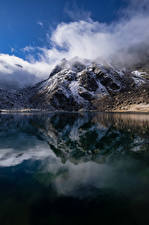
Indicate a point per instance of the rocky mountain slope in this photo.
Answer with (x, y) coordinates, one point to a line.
(74, 86)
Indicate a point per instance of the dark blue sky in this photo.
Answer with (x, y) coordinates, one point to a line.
(19, 19)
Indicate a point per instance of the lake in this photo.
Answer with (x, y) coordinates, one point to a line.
(74, 168)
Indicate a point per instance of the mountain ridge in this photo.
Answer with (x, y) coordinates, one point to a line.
(75, 85)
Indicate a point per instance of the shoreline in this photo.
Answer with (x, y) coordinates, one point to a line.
(134, 108)
(140, 108)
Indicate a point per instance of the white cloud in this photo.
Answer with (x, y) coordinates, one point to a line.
(17, 73)
(91, 40)
(12, 50)
(28, 49)
(40, 23)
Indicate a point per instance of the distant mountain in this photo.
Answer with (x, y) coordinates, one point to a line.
(74, 86)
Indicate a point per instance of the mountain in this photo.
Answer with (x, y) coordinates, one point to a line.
(74, 85)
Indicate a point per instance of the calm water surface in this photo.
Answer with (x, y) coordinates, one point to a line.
(81, 169)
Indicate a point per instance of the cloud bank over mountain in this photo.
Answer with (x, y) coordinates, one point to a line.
(125, 41)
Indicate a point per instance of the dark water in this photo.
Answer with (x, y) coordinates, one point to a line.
(64, 168)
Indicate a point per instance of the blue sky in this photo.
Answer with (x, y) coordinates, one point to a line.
(27, 22)
(51, 30)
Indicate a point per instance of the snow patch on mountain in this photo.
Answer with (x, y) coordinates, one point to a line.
(74, 86)
(138, 77)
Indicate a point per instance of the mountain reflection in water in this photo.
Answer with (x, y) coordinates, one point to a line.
(74, 168)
